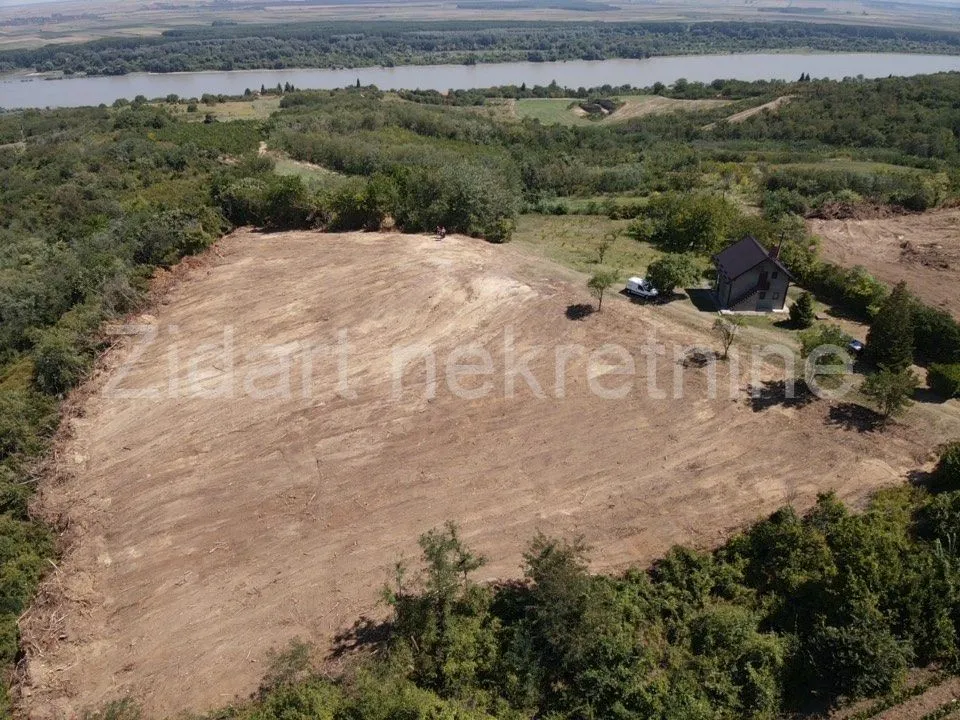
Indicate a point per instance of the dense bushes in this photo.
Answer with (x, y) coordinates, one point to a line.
(58, 365)
(905, 117)
(423, 167)
(686, 223)
(800, 189)
(793, 615)
(936, 334)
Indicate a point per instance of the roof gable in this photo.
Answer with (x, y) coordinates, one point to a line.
(743, 256)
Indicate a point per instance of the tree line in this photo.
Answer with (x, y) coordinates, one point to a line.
(354, 44)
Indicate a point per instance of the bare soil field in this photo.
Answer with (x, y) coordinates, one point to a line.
(253, 473)
(921, 249)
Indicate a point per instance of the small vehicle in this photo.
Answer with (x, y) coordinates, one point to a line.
(638, 287)
(855, 346)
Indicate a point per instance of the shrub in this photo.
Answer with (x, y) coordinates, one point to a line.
(936, 335)
(162, 238)
(58, 365)
(25, 418)
(944, 380)
(243, 201)
(946, 475)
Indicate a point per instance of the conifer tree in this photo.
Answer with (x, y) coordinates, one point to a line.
(890, 340)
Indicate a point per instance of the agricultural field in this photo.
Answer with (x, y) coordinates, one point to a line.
(213, 522)
(80, 22)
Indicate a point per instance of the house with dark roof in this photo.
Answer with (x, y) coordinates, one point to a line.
(749, 278)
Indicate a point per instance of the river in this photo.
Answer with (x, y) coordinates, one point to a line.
(20, 92)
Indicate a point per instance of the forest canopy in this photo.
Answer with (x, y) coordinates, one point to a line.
(355, 44)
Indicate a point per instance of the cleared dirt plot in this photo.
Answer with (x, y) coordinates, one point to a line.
(253, 473)
(922, 249)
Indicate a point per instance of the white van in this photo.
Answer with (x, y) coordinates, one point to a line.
(638, 287)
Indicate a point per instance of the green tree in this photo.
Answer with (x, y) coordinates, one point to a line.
(598, 284)
(801, 312)
(890, 340)
(671, 271)
(727, 329)
(890, 390)
(832, 358)
(682, 223)
(443, 621)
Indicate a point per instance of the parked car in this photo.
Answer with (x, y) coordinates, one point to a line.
(638, 287)
(855, 346)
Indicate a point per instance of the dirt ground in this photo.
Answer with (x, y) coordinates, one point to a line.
(210, 516)
(750, 112)
(655, 105)
(922, 249)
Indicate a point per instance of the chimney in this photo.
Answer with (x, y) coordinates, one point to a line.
(775, 253)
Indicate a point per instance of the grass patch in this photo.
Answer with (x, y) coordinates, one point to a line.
(259, 108)
(574, 241)
(550, 111)
(313, 176)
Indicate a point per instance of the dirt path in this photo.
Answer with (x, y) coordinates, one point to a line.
(921, 249)
(656, 105)
(205, 530)
(749, 113)
(919, 707)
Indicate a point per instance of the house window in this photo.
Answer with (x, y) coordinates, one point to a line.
(776, 274)
(763, 296)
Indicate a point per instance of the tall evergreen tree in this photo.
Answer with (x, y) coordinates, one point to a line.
(890, 340)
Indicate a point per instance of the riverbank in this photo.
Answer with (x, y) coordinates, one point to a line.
(85, 91)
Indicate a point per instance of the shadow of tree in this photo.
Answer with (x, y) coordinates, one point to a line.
(366, 634)
(702, 299)
(579, 311)
(850, 416)
(920, 478)
(778, 392)
(926, 395)
(699, 357)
